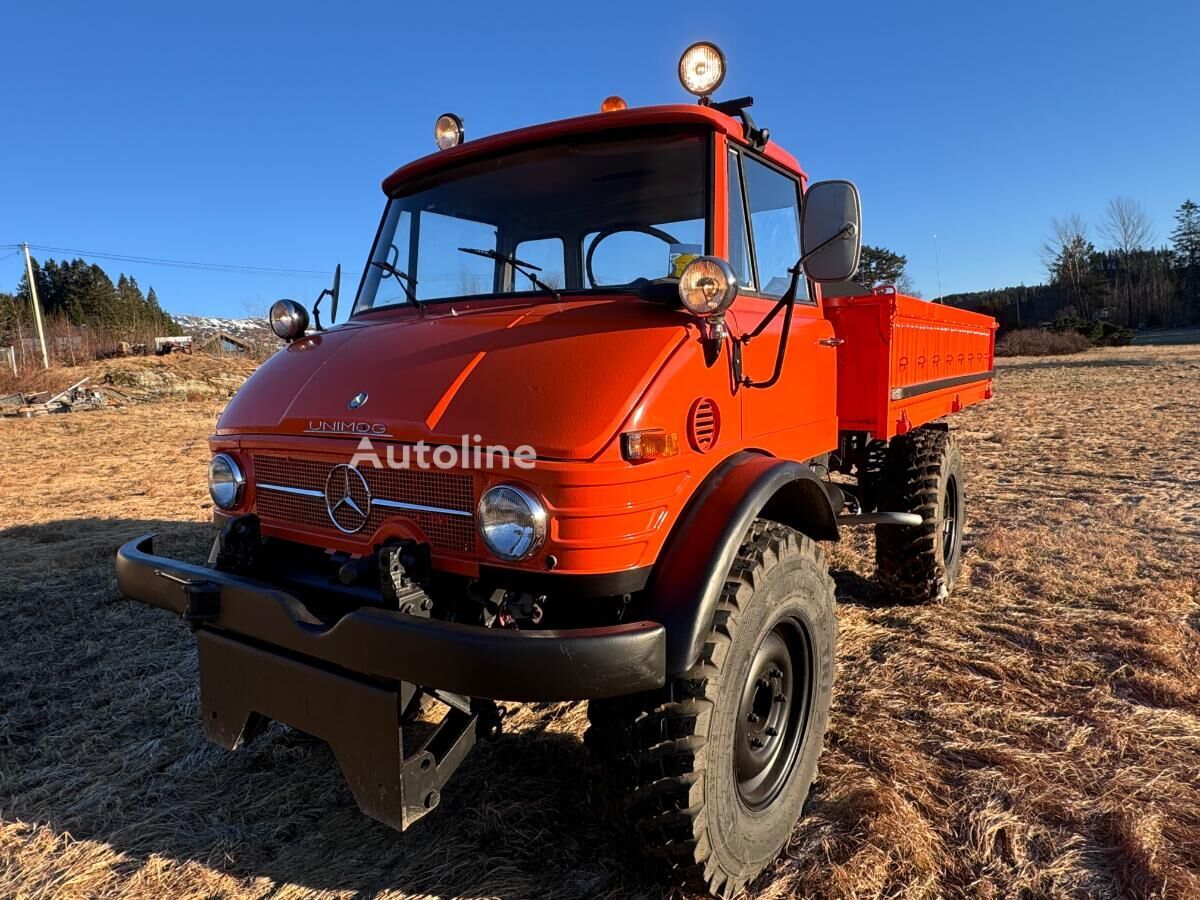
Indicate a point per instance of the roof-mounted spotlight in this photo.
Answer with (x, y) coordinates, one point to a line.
(448, 131)
(702, 69)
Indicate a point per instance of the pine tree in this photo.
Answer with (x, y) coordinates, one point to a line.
(83, 294)
(1077, 271)
(132, 310)
(1186, 237)
(1185, 240)
(161, 320)
(878, 265)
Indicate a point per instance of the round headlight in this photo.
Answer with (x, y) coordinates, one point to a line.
(225, 481)
(702, 68)
(512, 521)
(448, 131)
(707, 286)
(289, 320)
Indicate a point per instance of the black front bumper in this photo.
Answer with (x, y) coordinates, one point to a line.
(574, 664)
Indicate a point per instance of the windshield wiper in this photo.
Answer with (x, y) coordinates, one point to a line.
(517, 264)
(407, 282)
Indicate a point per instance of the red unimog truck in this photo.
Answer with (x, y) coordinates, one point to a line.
(575, 442)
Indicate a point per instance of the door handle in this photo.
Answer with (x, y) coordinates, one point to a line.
(831, 342)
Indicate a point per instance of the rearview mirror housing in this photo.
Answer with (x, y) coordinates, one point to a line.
(830, 206)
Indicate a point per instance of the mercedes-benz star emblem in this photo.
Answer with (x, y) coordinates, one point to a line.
(358, 400)
(347, 498)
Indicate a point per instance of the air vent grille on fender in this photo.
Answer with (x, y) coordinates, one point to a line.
(704, 424)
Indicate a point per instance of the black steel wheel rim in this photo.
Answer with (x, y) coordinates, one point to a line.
(773, 713)
(949, 520)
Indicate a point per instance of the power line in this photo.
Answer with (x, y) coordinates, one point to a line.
(187, 264)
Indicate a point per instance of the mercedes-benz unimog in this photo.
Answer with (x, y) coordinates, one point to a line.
(605, 389)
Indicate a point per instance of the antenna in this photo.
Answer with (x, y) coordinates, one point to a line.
(937, 262)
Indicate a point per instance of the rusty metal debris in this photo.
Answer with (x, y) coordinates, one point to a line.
(77, 398)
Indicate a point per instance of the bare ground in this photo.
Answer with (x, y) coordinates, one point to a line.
(1037, 735)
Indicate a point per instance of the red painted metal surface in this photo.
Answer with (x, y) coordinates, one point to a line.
(905, 362)
(568, 378)
(680, 114)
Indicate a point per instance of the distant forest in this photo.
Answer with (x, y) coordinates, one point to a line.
(1127, 281)
(78, 293)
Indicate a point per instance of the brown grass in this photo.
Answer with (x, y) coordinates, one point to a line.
(1041, 342)
(137, 379)
(1038, 734)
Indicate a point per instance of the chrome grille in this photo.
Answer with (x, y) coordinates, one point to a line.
(451, 491)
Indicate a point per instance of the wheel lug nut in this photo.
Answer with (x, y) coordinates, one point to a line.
(775, 673)
(751, 717)
(780, 698)
(771, 732)
(756, 743)
(763, 683)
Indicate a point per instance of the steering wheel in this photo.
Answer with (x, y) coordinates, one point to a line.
(609, 232)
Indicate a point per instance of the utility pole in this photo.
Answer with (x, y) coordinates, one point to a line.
(938, 263)
(37, 307)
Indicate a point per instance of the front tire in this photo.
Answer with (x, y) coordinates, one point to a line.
(922, 473)
(708, 775)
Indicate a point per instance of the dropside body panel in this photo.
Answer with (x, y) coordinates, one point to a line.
(905, 361)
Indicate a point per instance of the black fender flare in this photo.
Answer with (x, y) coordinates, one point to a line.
(690, 572)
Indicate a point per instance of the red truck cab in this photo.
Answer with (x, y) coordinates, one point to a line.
(574, 441)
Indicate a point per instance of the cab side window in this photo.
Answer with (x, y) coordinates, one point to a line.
(774, 201)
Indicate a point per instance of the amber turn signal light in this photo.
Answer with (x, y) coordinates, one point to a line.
(640, 446)
(613, 103)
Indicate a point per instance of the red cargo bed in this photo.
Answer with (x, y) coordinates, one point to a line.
(905, 362)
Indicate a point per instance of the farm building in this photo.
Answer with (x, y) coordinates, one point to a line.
(222, 343)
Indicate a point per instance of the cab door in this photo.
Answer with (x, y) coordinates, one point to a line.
(796, 417)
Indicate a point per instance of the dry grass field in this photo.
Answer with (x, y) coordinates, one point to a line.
(1036, 735)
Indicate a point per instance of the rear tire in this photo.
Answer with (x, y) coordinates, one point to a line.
(922, 473)
(709, 775)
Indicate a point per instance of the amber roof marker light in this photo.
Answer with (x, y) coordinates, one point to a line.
(702, 69)
(613, 104)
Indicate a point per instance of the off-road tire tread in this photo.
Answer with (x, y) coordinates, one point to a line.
(647, 755)
(906, 558)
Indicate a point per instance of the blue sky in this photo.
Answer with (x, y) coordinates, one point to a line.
(257, 134)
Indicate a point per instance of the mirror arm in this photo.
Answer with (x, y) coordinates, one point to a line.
(788, 296)
(317, 308)
(328, 292)
(845, 231)
(788, 301)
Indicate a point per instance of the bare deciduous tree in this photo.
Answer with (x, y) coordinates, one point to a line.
(1126, 226)
(1127, 229)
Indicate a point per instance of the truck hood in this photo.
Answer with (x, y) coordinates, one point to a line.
(559, 377)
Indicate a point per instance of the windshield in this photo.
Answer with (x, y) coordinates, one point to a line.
(587, 214)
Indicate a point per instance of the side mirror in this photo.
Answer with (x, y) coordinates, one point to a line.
(328, 292)
(335, 293)
(829, 207)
